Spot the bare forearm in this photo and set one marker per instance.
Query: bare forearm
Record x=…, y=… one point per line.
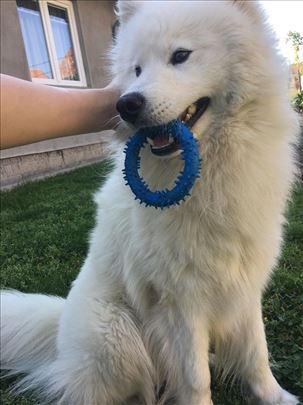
x=32, y=112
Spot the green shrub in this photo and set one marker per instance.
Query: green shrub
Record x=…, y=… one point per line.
x=298, y=102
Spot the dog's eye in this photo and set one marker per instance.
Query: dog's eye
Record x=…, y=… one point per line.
x=138, y=70
x=180, y=56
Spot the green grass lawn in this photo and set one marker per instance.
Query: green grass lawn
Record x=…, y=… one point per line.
x=45, y=229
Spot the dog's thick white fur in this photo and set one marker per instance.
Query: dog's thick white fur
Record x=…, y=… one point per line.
x=160, y=288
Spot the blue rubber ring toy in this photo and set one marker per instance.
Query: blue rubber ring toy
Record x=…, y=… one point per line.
x=186, y=178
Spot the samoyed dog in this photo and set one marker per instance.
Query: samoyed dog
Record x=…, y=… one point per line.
x=162, y=289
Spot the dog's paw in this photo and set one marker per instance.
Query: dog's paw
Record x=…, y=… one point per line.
x=285, y=398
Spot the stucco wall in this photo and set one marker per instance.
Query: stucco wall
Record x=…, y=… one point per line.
x=13, y=57
x=95, y=19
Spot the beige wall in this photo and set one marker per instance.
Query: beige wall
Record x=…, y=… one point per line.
x=13, y=57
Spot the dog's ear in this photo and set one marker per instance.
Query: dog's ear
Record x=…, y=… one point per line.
x=126, y=8
x=251, y=8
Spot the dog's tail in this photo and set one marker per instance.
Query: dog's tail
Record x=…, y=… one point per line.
x=29, y=325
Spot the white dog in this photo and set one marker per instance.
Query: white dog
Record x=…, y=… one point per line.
x=160, y=288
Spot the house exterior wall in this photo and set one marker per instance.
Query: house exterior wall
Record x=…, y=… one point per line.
x=95, y=19
x=13, y=57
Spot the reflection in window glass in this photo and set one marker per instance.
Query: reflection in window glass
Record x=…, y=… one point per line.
x=34, y=39
x=63, y=43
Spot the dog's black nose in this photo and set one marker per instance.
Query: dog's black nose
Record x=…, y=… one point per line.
x=130, y=105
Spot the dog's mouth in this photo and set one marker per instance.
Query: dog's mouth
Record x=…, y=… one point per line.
x=162, y=144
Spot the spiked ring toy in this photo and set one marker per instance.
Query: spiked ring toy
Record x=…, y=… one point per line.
x=188, y=145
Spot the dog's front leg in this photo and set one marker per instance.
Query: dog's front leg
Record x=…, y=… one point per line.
x=246, y=351
x=181, y=344
x=258, y=375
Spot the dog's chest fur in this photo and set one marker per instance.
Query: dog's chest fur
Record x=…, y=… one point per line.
x=219, y=244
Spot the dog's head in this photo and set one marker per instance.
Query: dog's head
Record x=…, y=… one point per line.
x=187, y=59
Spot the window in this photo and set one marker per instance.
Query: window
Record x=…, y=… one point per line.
x=51, y=42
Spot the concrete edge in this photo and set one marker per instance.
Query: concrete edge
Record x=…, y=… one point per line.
x=21, y=169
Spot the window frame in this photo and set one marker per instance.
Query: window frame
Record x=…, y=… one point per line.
x=51, y=47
